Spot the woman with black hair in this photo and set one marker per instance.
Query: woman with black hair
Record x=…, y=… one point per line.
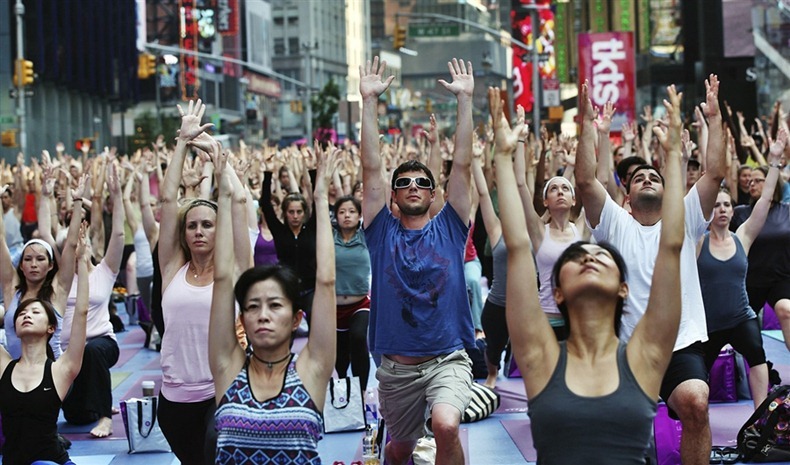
x=591, y=375
x=270, y=401
x=39, y=276
x=33, y=386
x=352, y=265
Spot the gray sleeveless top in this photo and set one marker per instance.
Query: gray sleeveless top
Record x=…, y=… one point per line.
x=497, y=293
x=611, y=429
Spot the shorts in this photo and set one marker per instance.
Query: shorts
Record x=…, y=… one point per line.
x=345, y=312
x=759, y=295
x=685, y=364
x=407, y=393
x=744, y=338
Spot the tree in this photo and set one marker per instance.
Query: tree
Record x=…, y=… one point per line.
x=324, y=105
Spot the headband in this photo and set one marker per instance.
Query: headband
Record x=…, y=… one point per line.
x=42, y=244
x=555, y=178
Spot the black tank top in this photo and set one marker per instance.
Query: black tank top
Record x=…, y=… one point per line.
x=30, y=420
x=611, y=429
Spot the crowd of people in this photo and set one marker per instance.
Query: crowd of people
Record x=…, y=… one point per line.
x=370, y=250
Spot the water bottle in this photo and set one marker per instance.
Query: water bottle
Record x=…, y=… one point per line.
x=371, y=408
x=369, y=455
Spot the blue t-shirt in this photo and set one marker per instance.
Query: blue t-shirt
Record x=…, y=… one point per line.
x=419, y=305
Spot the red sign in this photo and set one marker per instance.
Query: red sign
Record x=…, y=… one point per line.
x=521, y=24
x=228, y=17
x=606, y=59
x=190, y=83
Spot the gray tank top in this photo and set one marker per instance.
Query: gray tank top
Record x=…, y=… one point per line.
x=497, y=293
x=611, y=429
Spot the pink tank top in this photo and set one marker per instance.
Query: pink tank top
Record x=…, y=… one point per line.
x=186, y=376
x=548, y=253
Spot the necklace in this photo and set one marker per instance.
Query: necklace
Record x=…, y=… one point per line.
x=269, y=364
x=194, y=271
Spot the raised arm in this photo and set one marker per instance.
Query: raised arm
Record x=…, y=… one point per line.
x=751, y=228
x=708, y=184
x=114, y=253
x=318, y=356
x=490, y=220
x=226, y=357
x=458, y=184
x=374, y=185
x=150, y=225
x=650, y=347
x=68, y=366
x=67, y=266
x=171, y=258
x=8, y=276
x=604, y=173
x=534, y=346
x=435, y=164
x=591, y=191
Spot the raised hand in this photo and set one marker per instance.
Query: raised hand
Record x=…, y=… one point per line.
x=647, y=114
x=432, y=135
x=711, y=106
x=328, y=161
x=463, y=78
x=669, y=138
x=190, y=120
x=777, y=147
x=604, y=121
x=628, y=132
x=83, y=251
x=79, y=192
x=505, y=139
x=370, y=79
x=113, y=184
x=587, y=112
x=521, y=121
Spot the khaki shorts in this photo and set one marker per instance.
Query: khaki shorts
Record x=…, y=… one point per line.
x=407, y=393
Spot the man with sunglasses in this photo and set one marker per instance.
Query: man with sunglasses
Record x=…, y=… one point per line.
x=420, y=320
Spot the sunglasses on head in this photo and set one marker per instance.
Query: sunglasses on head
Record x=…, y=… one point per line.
x=422, y=182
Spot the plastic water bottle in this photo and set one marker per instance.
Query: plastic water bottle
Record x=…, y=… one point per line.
x=369, y=455
x=371, y=408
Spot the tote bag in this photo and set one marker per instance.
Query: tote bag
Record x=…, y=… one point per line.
x=343, y=407
x=142, y=427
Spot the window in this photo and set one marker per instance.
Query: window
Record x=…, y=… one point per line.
x=279, y=47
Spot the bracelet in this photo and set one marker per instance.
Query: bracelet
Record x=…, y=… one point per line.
x=775, y=165
x=522, y=141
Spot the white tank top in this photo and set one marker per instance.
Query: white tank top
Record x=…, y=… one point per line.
x=548, y=253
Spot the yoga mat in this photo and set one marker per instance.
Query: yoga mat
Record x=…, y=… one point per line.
x=774, y=334
x=513, y=397
x=118, y=377
x=521, y=434
x=726, y=420
x=126, y=354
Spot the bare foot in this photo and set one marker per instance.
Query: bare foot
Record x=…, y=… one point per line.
x=103, y=428
x=491, y=381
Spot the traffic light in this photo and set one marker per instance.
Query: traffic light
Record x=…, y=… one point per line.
x=25, y=67
x=428, y=106
x=8, y=138
x=296, y=106
x=146, y=65
x=399, y=39
x=85, y=141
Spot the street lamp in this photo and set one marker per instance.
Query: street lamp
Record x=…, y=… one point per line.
x=308, y=70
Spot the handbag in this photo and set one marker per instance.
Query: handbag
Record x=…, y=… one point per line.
x=484, y=402
x=765, y=437
x=142, y=427
x=667, y=437
x=723, y=378
x=343, y=406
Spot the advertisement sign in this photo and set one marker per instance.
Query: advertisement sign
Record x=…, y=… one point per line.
x=228, y=17
x=544, y=43
x=188, y=39
x=607, y=61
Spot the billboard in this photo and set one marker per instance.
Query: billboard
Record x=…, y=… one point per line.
x=607, y=60
x=521, y=24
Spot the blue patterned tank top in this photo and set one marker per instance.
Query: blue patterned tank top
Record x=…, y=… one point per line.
x=282, y=430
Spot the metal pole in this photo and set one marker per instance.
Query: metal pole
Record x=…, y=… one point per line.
x=158, y=99
x=535, y=75
x=308, y=111
x=19, y=9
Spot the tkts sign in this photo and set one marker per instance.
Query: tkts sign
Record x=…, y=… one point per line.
x=188, y=39
x=607, y=60
x=228, y=17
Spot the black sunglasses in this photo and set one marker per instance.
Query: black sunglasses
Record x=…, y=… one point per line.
x=421, y=182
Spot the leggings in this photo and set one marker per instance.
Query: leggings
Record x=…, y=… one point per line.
x=495, y=327
x=352, y=346
x=745, y=338
x=90, y=397
x=189, y=429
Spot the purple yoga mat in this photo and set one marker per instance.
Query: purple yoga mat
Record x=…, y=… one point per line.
x=521, y=434
x=513, y=397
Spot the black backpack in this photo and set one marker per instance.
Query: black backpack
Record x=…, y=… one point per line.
x=765, y=437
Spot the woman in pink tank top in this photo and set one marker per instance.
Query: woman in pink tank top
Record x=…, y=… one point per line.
x=186, y=257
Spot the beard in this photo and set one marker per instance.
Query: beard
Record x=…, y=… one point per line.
x=413, y=210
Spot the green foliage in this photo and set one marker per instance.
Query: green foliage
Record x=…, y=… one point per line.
x=324, y=105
